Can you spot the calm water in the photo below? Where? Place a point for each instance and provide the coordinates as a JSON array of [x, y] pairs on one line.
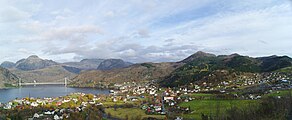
[[42, 91]]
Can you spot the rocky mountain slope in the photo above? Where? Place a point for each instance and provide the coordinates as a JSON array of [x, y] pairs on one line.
[[85, 64], [54, 73], [113, 64], [41, 70], [33, 62], [7, 64], [7, 79]]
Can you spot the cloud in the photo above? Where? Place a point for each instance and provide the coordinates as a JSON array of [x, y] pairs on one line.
[[12, 14], [141, 31]]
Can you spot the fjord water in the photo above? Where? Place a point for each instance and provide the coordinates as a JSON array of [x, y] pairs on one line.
[[41, 91]]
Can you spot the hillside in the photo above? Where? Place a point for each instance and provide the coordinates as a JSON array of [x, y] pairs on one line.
[[7, 64], [109, 64], [136, 72], [54, 73], [33, 62], [7, 79], [41, 70], [224, 67]]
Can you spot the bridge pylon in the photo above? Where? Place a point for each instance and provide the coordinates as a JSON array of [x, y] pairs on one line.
[[65, 81]]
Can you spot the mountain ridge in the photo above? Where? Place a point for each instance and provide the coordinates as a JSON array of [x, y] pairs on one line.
[[196, 67], [226, 66]]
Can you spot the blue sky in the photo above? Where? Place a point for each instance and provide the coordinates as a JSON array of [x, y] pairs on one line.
[[143, 30]]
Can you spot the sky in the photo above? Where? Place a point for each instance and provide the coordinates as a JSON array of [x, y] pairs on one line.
[[143, 30]]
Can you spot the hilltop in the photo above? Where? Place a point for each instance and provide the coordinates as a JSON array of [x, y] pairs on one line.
[[206, 67]]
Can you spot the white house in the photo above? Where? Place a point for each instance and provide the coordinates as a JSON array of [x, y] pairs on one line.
[[34, 104], [36, 115], [56, 117]]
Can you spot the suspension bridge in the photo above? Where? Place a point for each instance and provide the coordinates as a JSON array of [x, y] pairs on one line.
[[56, 82]]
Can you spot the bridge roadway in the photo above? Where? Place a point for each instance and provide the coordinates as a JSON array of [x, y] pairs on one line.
[[44, 83]]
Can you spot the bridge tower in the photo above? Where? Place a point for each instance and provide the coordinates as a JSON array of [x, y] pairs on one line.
[[65, 81], [19, 82]]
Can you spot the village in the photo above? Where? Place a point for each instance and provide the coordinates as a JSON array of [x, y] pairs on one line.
[[149, 97]]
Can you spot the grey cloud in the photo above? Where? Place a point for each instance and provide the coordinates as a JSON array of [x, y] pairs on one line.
[[144, 33], [130, 52], [169, 40], [263, 42]]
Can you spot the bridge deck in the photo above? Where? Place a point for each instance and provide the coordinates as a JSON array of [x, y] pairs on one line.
[[45, 83]]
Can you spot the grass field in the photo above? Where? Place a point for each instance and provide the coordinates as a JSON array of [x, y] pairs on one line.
[[131, 113], [279, 93], [211, 106], [201, 95]]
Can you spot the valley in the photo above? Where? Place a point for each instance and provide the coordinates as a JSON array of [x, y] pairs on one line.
[[170, 90]]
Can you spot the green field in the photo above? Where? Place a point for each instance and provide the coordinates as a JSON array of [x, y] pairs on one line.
[[212, 106], [279, 93], [131, 113], [201, 95]]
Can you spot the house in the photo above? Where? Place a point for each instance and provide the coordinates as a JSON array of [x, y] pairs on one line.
[[84, 104], [95, 99], [157, 108], [91, 102], [78, 109], [132, 98], [75, 100], [59, 103], [34, 104], [171, 104], [115, 100], [49, 113], [66, 100], [8, 106], [168, 98], [97, 104], [56, 117], [36, 115], [152, 92]]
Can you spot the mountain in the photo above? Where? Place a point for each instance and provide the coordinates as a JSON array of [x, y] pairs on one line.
[[7, 64], [274, 62], [109, 64], [55, 73], [137, 72], [41, 70], [34, 62], [197, 55], [85, 64], [224, 67], [7, 79]]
